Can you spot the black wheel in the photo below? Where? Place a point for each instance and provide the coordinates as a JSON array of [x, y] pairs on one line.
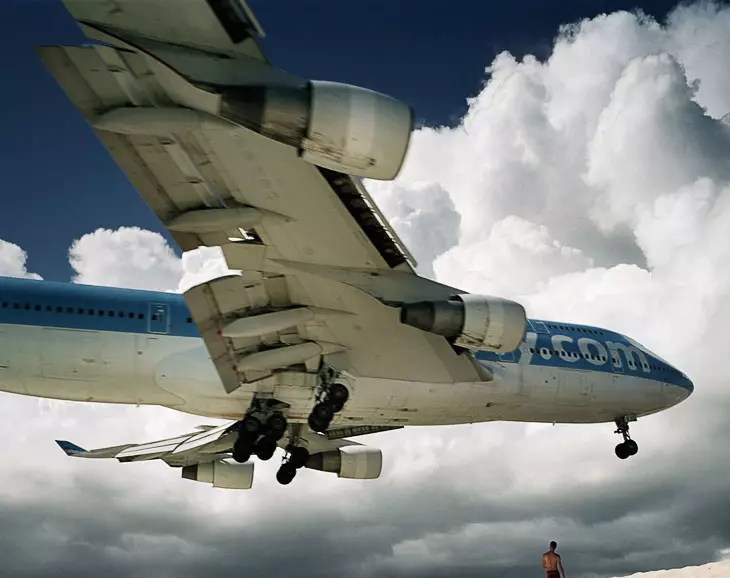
[[242, 450], [277, 425], [631, 447], [323, 413], [316, 425], [286, 474], [266, 448], [298, 456], [622, 451], [338, 395], [320, 418], [250, 425]]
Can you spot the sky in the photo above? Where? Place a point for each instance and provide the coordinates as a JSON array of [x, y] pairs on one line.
[[582, 170]]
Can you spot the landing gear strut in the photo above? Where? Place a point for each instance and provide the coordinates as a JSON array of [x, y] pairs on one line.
[[332, 399], [296, 458], [628, 447], [258, 434]]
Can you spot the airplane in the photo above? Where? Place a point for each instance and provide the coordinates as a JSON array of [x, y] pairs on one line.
[[322, 331]]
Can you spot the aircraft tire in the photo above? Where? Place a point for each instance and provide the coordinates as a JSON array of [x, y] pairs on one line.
[[298, 456], [242, 450], [623, 451], [286, 474], [632, 447], [321, 416], [250, 425], [277, 425], [265, 449], [338, 395]]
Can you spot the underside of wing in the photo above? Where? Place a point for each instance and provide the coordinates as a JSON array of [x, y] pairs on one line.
[[225, 151]]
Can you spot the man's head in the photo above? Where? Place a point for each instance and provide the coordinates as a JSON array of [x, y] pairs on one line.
[[553, 545]]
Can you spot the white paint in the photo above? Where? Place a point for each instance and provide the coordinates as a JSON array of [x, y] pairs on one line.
[[176, 372]]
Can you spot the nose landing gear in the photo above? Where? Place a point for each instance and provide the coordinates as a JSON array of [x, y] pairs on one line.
[[628, 447]]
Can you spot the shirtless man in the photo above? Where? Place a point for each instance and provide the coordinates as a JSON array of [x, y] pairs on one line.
[[551, 562]]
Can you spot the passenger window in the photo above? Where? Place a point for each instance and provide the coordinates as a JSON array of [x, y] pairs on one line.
[[4, 304], [154, 317], [59, 309], [110, 313], [80, 311], [131, 315], [140, 315], [37, 307]]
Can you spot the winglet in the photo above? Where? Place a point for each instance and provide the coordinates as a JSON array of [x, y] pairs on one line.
[[69, 448]]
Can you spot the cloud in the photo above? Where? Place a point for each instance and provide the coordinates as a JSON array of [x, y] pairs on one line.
[[594, 187], [424, 216], [127, 257], [139, 259], [13, 260]]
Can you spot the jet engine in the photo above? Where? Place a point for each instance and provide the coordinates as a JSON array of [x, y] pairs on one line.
[[357, 462], [222, 474], [336, 126], [470, 321]]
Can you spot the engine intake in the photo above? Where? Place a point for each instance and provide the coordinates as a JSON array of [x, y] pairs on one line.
[[222, 474], [336, 126], [470, 321], [356, 462]]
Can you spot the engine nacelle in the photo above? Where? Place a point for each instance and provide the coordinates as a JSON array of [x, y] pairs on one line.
[[356, 462], [222, 474], [336, 126], [470, 321]]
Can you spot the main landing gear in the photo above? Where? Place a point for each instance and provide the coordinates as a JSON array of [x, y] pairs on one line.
[[259, 437], [333, 398], [296, 457], [628, 447]]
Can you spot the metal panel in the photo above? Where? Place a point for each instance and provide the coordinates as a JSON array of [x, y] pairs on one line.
[[71, 354]]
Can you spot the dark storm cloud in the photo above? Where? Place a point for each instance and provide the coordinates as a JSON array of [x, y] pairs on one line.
[[677, 516]]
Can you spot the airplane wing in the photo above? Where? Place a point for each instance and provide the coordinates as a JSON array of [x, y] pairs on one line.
[[184, 100], [206, 456], [183, 450]]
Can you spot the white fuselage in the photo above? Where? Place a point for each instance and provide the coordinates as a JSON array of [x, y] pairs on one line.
[[176, 372]]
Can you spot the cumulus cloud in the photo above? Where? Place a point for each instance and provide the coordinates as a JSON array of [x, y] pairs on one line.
[[139, 259], [127, 257], [424, 216], [13, 261], [594, 187]]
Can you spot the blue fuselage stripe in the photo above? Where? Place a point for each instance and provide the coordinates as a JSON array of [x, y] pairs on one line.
[[87, 307]]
